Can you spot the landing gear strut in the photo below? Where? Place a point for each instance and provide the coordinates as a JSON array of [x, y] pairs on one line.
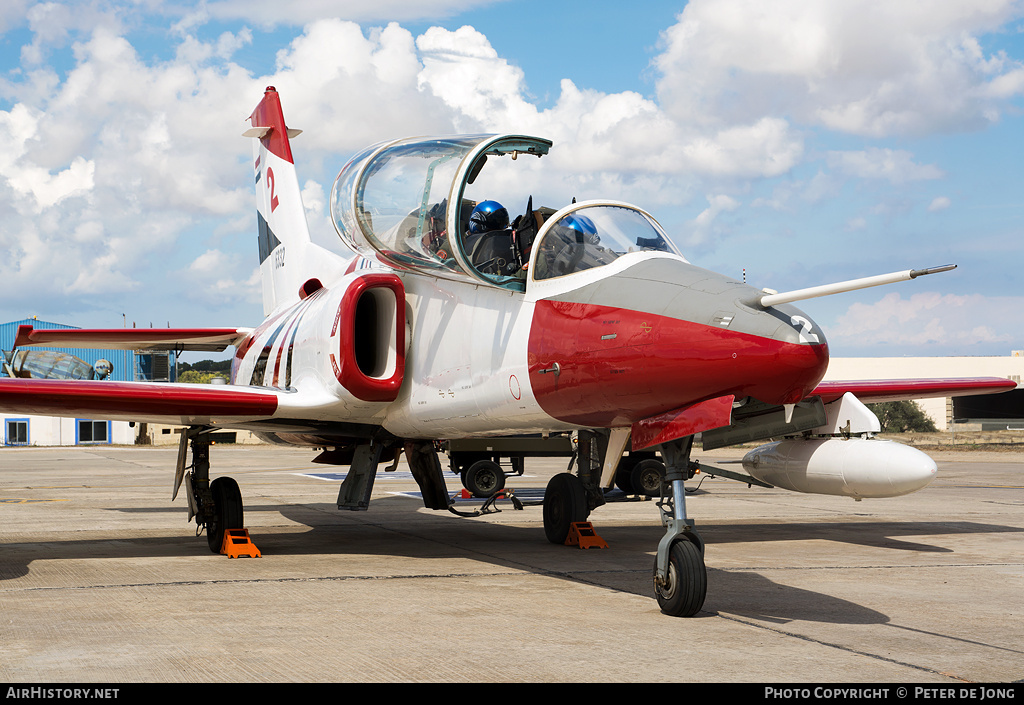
[[217, 505], [680, 576]]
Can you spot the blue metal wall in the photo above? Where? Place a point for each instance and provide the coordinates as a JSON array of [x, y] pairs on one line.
[[127, 365]]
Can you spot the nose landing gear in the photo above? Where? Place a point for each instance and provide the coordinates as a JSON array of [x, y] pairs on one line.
[[680, 576], [681, 592]]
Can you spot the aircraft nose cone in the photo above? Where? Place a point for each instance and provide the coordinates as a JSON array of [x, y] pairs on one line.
[[662, 334], [792, 354]]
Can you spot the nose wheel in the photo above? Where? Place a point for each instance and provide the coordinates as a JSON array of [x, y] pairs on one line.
[[680, 576], [681, 593]]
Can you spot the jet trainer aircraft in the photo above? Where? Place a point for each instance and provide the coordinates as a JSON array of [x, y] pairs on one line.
[[453, 322]]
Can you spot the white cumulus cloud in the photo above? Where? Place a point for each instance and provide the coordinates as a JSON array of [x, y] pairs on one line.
[[894, 165], [868, 67], [927, 322]]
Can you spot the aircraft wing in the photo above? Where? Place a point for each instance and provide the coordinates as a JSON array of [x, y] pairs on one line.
[[199, 339], [155, 402], [882, 390]]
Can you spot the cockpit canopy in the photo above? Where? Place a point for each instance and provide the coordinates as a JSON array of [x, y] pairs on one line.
[[393, 201]]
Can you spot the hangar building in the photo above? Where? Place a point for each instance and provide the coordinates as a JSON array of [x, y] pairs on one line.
[[987, 412], [126, 365]]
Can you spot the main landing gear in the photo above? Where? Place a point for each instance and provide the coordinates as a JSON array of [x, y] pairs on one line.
[[570, 498], [217, 505], [226, 512], [565, 502], [680, 576]]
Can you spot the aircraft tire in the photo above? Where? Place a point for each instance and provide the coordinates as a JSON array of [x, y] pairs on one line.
[[647, 477], [624, 476], [565, 501], [227, 502], [687, 586], [483, 478]]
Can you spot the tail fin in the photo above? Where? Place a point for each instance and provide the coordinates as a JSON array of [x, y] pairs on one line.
[[283, 234]]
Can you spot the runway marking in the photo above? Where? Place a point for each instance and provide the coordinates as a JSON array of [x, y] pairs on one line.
[[985, 487], [340, 476], [394, 475], [19, 500], [525, 495]]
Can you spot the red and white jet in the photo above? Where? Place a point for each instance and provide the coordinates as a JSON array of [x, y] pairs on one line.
[[453, 322]]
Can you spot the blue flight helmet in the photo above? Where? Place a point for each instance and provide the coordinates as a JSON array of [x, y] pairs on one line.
[[578, 228], [488, 216]]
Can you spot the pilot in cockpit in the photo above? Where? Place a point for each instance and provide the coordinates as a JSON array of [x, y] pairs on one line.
[[489, 239], [563, 250], [435, 237]]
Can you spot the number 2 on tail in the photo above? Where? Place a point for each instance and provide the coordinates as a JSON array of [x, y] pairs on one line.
[[274, 201]]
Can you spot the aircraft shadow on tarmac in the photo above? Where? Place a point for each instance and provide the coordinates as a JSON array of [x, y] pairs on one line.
[[395, 526]]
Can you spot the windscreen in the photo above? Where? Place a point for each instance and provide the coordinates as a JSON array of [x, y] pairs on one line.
[[594, 236]]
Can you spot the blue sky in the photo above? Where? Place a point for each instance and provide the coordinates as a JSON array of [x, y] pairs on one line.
[[802, 143]]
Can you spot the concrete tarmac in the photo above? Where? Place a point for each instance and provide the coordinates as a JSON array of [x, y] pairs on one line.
[[102, 580]]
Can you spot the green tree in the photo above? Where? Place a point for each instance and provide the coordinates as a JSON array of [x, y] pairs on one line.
[[902, 417], [197, 377], [205, 366]]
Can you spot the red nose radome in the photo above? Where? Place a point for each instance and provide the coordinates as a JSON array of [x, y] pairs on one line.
[[603, 366]]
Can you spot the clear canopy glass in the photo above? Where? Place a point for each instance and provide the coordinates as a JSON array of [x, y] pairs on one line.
[[593, 236], [394, 201]]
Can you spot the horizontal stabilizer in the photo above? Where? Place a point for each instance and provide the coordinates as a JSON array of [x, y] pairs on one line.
[[199, 339], [262, 132], [882, 390]]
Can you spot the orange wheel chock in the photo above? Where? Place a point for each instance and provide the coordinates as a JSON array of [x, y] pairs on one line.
[[237, 543], [582, 534]]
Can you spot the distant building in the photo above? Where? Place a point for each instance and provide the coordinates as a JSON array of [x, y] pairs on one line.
[[984, 412], [127, 365]]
